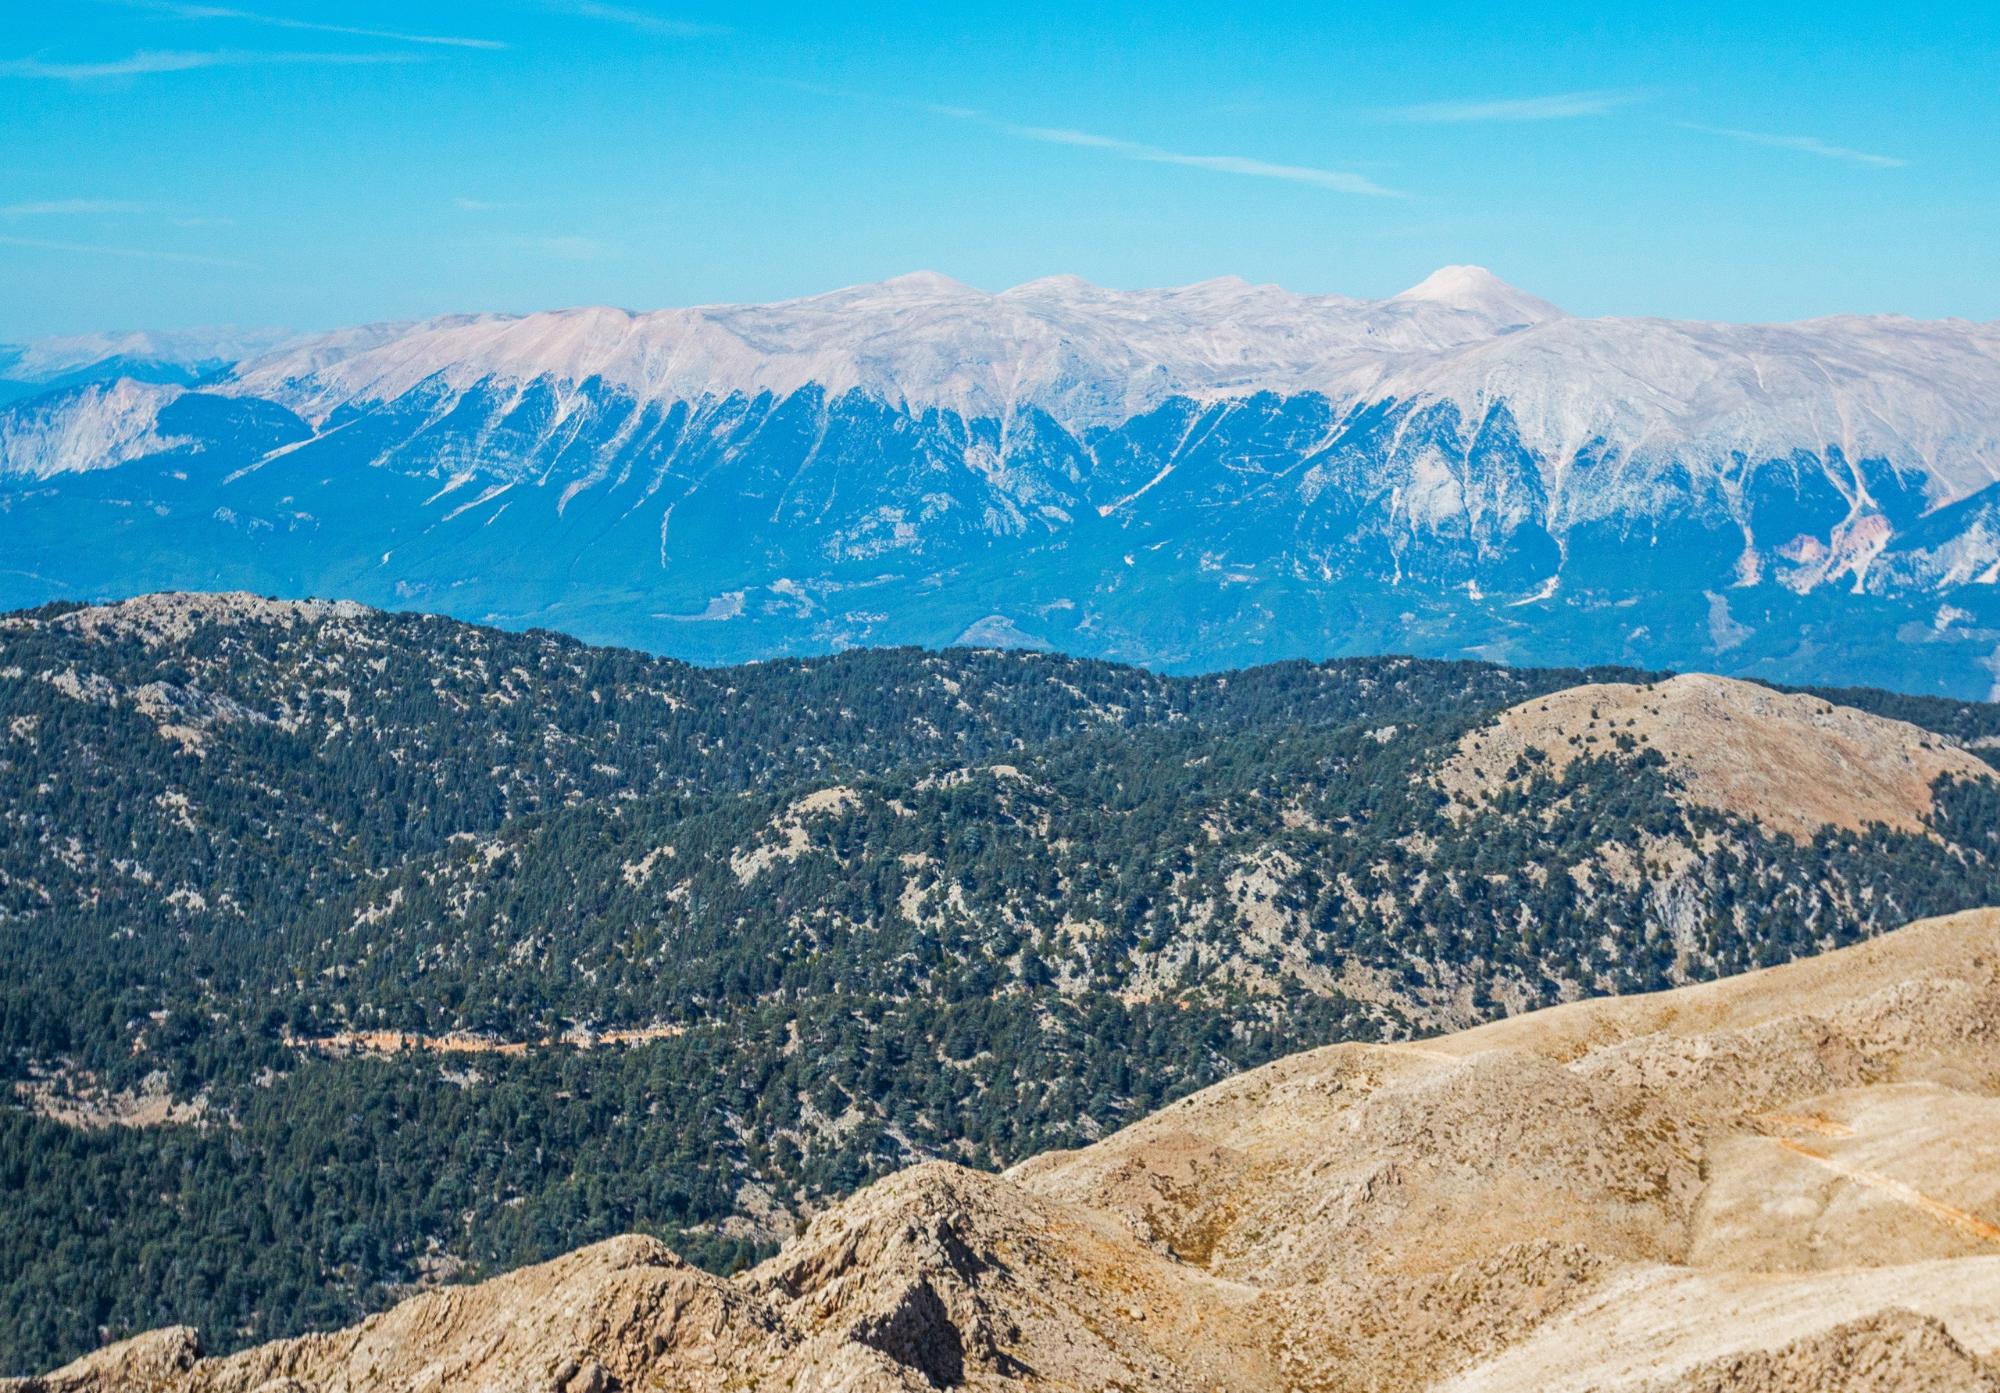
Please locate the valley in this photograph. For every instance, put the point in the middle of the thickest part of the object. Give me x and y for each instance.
(698, 953)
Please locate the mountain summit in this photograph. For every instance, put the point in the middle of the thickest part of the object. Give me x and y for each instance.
(1478, 291)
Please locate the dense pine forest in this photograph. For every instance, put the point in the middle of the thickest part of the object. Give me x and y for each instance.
(343, 952)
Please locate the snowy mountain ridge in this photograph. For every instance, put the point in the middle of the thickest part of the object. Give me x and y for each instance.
(1923, 394)
(1175, 476)
(919, 341)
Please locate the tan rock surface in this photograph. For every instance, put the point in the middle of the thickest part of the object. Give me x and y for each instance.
(1893, 1353)
(157, 1360)
(1785, 1181)
(1795, 763)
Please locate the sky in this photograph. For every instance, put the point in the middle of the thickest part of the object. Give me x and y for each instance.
(271, 163)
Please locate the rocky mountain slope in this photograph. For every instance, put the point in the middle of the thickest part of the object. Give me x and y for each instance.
(1778, 1182)
(343, 953)
(1794, 763)
(1193, 478)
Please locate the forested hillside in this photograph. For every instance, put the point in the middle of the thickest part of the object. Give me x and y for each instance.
(343, 951)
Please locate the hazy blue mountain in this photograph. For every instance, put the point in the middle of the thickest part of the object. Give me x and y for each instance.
(185, 359)
(1190, 478)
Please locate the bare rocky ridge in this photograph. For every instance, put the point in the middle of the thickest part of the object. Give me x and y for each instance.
(173, 616)
(1782, 1181)
(1893, 1353)
(1796, 763)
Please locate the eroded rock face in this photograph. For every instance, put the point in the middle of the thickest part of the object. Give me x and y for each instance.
(1779, 1183)
(157, 1360)
(1403, 1333)
(604, 1317)
(918, 1334)
(1896, 1352)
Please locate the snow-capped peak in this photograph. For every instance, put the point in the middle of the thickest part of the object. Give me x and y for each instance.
(924, 283)
(1478, 291)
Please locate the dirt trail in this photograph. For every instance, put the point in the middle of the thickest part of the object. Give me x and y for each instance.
(389, 1042)
(1898, 1190)
(1806, 1122)
(1403, 1048)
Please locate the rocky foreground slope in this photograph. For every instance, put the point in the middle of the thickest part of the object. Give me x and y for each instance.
(1781, 1181)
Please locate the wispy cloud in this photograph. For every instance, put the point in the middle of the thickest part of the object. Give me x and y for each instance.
(1339, 180)
(1556, 106)
(178, 10)
(643, 20)
(149, 61)
(70, 207)
(127, 253)
(1804, 144)
(106, 207)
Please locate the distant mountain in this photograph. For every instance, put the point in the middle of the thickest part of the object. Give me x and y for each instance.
(185, 358)
(1188, 478)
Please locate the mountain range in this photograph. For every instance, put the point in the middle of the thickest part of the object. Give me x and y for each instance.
(1190, 478)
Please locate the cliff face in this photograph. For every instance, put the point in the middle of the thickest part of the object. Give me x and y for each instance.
(1781, 1181)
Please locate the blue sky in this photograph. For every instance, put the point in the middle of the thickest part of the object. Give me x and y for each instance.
(168, 164)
